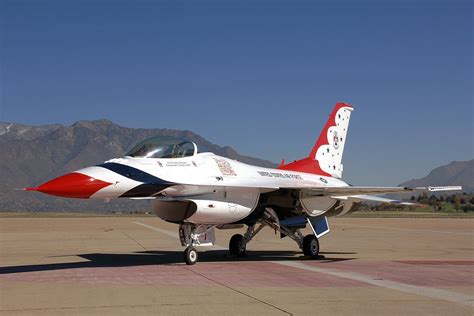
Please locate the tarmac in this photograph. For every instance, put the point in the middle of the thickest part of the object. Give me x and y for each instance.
(134, 266)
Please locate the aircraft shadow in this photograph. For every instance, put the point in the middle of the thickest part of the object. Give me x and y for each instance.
(101, 260)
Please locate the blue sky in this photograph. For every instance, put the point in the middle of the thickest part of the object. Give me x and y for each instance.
(260, 76)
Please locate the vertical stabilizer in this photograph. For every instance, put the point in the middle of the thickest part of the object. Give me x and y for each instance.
(326, 156)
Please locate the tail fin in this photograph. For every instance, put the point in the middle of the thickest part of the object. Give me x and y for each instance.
(326, 156)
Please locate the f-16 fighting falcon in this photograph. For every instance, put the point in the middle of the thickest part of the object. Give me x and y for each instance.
(201, 192)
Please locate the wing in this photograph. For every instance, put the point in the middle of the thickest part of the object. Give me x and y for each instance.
(359, 194)
(357, 190)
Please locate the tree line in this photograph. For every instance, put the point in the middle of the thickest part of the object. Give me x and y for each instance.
(458, 201)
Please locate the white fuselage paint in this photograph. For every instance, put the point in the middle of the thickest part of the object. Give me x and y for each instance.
(214, 184)
(191, 174)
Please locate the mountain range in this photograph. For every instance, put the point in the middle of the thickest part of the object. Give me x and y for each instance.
(31, 155)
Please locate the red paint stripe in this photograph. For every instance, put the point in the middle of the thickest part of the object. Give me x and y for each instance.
(307, 165)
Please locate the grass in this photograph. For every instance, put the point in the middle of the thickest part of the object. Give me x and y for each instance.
(412, 214)
(390, 210)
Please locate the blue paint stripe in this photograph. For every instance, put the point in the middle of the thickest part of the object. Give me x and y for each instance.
(151, 184)
(134, 173)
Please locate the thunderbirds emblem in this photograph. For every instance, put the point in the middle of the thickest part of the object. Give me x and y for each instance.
(335, 141)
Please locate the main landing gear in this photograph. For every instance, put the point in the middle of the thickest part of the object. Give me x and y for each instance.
(238, 243)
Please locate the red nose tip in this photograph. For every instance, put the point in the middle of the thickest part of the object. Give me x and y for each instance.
(72, 185)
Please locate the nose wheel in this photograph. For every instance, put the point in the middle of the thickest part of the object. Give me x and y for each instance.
(190, 255)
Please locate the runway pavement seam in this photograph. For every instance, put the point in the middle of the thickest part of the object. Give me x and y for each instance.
(136, 241)
(240, 292)
(437, 294)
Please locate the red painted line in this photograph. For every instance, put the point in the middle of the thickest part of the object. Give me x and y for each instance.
(267, 274)
(254, 274)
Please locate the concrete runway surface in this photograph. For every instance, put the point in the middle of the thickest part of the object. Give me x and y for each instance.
(133, 266)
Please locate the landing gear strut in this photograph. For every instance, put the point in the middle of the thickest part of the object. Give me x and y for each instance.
(192, 235)
(238, 243)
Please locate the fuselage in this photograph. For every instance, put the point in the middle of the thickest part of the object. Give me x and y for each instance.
(148, 177)
(200, 188)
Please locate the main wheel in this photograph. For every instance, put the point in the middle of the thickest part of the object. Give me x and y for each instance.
(235, 246)
(190, 255)
(311, 246)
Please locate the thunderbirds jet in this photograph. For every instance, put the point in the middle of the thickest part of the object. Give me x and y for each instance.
(201, 191)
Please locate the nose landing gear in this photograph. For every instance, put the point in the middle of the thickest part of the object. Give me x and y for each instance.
(192, 236)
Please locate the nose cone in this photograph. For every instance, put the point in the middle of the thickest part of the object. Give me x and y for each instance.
(72, 185)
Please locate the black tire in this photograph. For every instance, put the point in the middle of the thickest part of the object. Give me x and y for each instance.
(190, 255)
(235, 246)
(311, 246)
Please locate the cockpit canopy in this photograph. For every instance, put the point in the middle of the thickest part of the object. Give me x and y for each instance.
(163, 147)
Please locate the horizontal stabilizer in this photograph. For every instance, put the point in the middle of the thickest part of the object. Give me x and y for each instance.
(370, 198)
(353, 190)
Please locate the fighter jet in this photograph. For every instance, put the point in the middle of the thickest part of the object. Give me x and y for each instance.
(201, 191)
